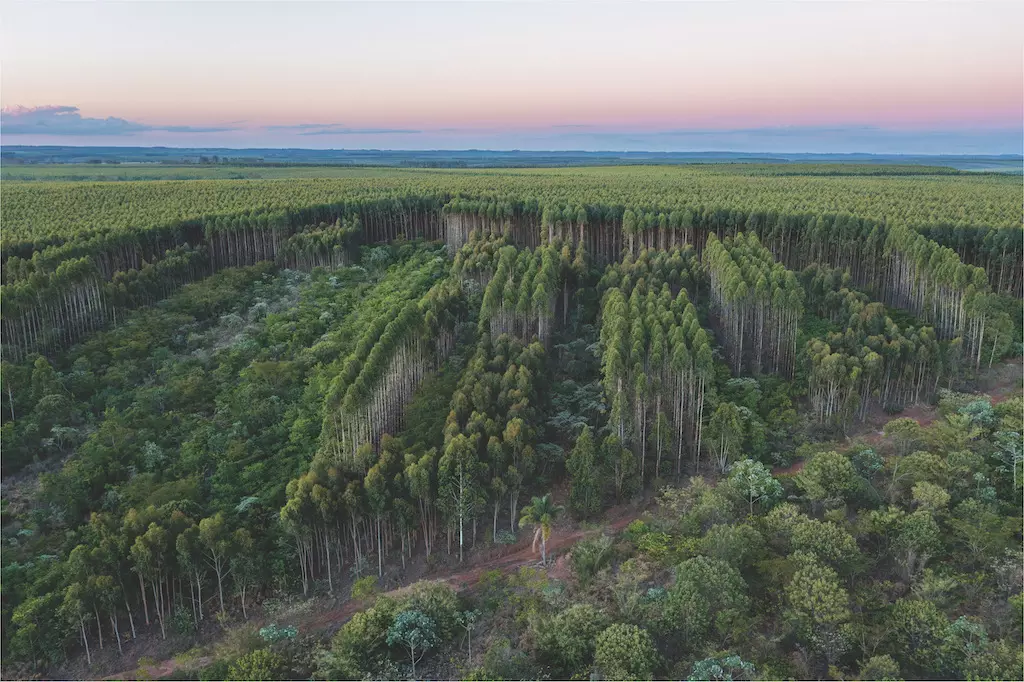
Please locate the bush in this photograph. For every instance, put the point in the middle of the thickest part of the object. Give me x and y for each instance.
(588, 557)
(436, 600)
(504, 662)
(625, 652)
(262, 664)
(365, 588)
(218, 670)
(181, 621)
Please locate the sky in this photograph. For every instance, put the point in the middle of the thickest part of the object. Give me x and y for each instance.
(873, 77)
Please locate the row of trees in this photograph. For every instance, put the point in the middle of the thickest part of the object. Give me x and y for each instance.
(152, 565)
(656, 359)
(528, 287)
(54, 310)
(323, 246)
(999, 250)
(492, 434)
(395, 351)
(871, 360)
(178, 450)
(757, 304)
(892, 261)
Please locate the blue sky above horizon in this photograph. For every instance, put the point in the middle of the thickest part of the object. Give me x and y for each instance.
(911, 78)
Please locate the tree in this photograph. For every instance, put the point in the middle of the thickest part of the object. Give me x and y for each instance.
(827, 478)
(706, 593)
(918, 537)
(816, 598)
(218, 543)
(416, 631)
(469, 620)
(584, 490)
(540, 513)
(906, 434)
(625, 652)
(75, 610)
(818, 607)
(724, 433)
(879, 668)
(930, 497)
(726, 669)
(621, 463)
(754, 482)
(458, 483)
(567, 641)
(918, 633)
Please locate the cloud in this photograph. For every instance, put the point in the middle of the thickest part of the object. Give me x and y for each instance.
(336, 129)
(65, 120)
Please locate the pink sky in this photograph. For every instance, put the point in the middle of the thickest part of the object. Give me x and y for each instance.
(504, 69)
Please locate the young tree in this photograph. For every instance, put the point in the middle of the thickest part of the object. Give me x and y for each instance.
(417, 632)
(827, 478)
(726, 669)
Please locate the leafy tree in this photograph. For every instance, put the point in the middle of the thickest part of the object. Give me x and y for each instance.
(918, 635)
(707, 592)
(724, 433)
(625, 652)
(930, 497)
(819, 607)
(218, 544)
(753, 481)
(828, 542)
(906, 434)
(415, 631)
(827, 478)
(879, 668)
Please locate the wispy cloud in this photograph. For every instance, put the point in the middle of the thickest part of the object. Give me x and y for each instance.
(336, 129)
(66, 120)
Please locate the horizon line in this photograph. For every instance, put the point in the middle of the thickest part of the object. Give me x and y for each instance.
(516, 151)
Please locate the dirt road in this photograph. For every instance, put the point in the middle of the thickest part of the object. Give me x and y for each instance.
(461, 578)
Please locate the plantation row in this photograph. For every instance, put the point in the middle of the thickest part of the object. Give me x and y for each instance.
(965, 212)
(52, 298)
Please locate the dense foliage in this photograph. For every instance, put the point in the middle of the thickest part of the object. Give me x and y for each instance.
(212, 401)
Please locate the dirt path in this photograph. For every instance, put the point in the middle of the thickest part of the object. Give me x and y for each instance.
(461, 578)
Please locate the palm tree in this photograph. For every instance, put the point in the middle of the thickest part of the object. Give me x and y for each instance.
(540, 513)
